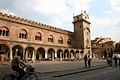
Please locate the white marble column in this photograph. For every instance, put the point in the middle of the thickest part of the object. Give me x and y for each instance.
(33, 56)
(55, 55)
(26, 55)
(52, 56)
(66, 56)
(11, 54)
(60, 56)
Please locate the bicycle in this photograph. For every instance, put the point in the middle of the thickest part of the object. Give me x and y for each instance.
(29, 74)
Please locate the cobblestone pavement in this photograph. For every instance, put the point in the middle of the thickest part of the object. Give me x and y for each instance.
(46, 67)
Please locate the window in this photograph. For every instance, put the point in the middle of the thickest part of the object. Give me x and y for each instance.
(38, 36)
(69, 41)
(23, 34)
(50, 39)
(4, 31)
(60, 40)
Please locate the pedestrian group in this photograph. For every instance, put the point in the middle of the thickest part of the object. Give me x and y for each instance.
(87, 60)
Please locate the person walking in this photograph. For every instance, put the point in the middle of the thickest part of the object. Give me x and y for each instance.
(115, 60)
(119, 61)
(89, 61)
(109, 61)
(85, 60)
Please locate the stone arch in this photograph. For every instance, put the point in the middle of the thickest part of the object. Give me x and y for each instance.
(29, 53)
(60, 40)
(50, 38)
(38, 36)
(59, 54)
(4, 31)
(72, 54)
(51, 54)
(77, 54)
(87, 29)
(66, 54)
(4, 52)
(40, 55)
(23, 34)
(17, 50)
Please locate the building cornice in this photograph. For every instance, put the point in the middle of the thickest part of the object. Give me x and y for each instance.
(27, 22)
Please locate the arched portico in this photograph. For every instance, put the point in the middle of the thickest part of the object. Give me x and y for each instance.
(17, 50)
(4, 52)
(40, 55)
(60, 54)
(72, 54)
(77, 54)
(66, 54)
(30, 54)
(51, 54)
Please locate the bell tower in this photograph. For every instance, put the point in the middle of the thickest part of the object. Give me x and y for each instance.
(82, 32)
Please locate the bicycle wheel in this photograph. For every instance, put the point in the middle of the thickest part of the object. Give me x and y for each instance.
(31, 76)
(9, 77)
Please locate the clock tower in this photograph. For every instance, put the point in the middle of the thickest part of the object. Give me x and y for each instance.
(82, 32)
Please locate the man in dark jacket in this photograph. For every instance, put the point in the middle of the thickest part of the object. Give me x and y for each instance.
(85, 60)
(16, 66)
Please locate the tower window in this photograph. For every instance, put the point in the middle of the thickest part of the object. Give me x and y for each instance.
(69, 41)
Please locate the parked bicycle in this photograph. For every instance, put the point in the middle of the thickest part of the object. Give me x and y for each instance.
(29, 74)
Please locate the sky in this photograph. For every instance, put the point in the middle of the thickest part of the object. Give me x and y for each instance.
(103, 14)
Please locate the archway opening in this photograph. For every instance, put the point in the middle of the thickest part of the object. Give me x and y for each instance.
(40, 55)
(17, 50)
(66, 54)
(51, 54)
(29, 53)
(4, 52)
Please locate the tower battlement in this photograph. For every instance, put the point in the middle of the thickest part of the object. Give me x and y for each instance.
(83, 16)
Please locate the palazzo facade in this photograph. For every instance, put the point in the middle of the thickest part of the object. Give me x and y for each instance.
(34, 41)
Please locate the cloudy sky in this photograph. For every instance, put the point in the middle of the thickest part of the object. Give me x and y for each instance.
(104, 14)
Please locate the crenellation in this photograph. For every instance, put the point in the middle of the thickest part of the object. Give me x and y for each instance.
(28, 22)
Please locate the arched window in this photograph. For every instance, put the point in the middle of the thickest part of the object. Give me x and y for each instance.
(60, 40)
(23, 34)
(87, 46)
(4, 31)
(69, 41)
(50, 38)
(38, 36)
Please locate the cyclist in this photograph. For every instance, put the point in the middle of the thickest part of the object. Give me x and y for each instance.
(18, 66)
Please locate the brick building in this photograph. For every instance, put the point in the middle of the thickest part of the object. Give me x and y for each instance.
(36, 41)
(101, 47)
